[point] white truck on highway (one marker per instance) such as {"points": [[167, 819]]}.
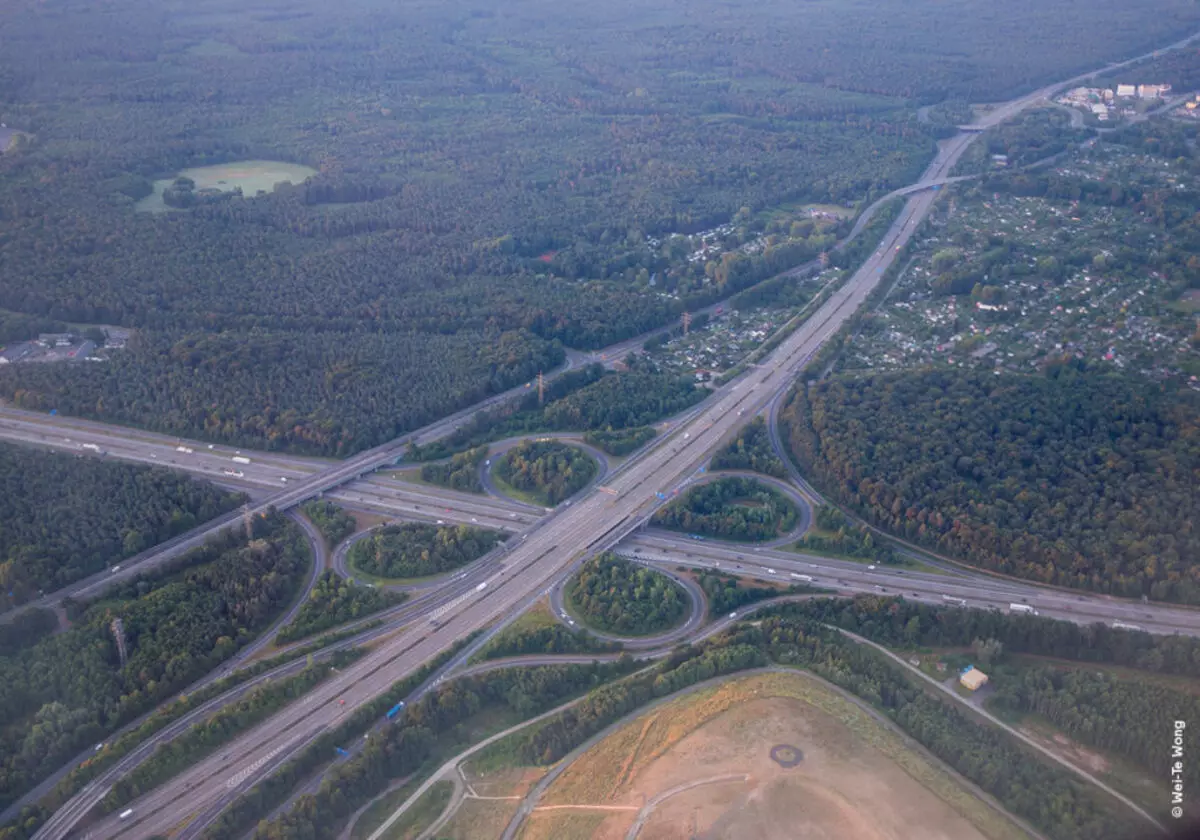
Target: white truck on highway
{"points": [[1022, 608], [950, 599], [186, 450], [93, 447], [1121, 625], [805, 578], [241, 459], [234, 473]]}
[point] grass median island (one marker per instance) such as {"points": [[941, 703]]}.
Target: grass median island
{"points": [[836, 536], [731, 508], [620, 442], [416, 550], [614, 595], [545, 472], [460, 473], [727, 592], [538, 631], [751, 450], [333, 522], [333, 601]]}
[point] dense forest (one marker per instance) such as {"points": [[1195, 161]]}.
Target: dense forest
{"points": [[70, 690], [478, 174], [333, 522], [546, 471], [615, 406], [751, 450], [732, 508], [461, 472], [414, 549], [617, 596], [1127, 717], [65, 518], [308, 391], [1075, 479], [546, 635], [333, 601]]}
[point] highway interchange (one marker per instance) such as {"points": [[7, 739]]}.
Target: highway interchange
{"points": [[547, 547]]}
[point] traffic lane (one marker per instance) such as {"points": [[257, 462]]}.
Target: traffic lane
{"points": [[972, 592], [580, 522], [437, 498], [130, 445], [278, 737], [405, 511]]}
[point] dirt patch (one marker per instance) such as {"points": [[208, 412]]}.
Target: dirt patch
{"points": [[1060, 744], [857, 778], [564, 825]]}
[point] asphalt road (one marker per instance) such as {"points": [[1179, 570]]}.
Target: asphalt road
{"points": [[848, 577], [550, 549]]}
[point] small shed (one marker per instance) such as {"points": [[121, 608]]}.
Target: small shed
{"points": [[973, 679]]}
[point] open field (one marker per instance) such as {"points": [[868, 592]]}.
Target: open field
{"points": [[706, 759], [252, 176]]}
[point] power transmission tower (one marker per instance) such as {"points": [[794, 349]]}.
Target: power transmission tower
{"points": [[118, 631], [247, 522], [687, 322], [541, 388], [824, 259]]}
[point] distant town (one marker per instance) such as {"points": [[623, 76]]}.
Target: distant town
{"points": [[1109, 103], [90, 345]]}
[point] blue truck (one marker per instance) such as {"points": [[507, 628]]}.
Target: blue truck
{"points": [[395, 710]]}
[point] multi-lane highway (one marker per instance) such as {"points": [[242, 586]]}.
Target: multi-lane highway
{"points": [[494, 591], [547, 551]]}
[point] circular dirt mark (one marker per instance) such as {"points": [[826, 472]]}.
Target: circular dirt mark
{"points": [[786, 756]]}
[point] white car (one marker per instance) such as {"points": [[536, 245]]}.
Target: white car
{"points": [[733, 615], [870, 568], [283, 478], [440, 522]]}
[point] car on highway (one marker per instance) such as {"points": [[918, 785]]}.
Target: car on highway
{"points": [[440, 522], [733, 615]]}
